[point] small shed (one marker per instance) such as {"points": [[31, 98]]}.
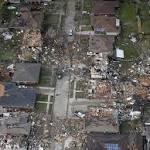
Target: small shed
{"points": [[119, 53], [27, 73]]}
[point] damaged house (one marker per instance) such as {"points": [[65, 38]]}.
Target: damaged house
{"points": [[31, 45], [100, 47]]}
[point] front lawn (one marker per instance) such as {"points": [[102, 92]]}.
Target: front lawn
{"points": [[81, 95], [81, 85], [43, 98], [127, 12], [45, 76], [10, 47], [127, 15], [87, 5], [50, 20], [86, 20], [40, 108]]}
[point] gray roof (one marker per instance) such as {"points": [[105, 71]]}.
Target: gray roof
{"points": [[27, 72], [16, 123], [18, 97], [22, 129]]}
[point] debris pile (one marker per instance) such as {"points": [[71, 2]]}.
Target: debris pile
{"points": [[31, 45], [99, 89], [14, 129], [70, 132]]}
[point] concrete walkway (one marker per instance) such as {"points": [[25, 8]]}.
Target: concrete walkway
{"points": [[48, 103], [42, 102], [85, 33]]}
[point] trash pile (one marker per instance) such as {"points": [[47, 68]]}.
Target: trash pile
{"points": [[9, 142], [40, 132], [99, 89], [69, 132], [31, 45]]}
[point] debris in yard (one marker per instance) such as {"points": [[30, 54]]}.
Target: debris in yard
{"points": [[133, 39], [7, 36], [31, 45]]}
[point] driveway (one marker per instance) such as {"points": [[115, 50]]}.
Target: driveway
{"points": [[61, 97]]}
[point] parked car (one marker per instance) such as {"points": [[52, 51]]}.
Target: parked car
{"points": [[59, 74], [79, 114], [70, 33]]}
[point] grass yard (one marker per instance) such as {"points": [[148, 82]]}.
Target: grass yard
{"points": [[146, 26], [81, 85], [145, 16], [127, 126], [127, 14], [43, 98], [87, 5], [50, 20], [55, 6], [84, 42], [131, 50], [80, 95], [45, 76], [7, 55], [86, 28], [144, 9], [40, 108], [7, 15], [9, 48], [78, 5], [146, 112], [86, 19], [53, 19]]}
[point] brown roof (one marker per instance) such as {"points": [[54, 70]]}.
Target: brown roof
{"points": [[101, 7], [105, 23], [101, 44], [144, 80], [2, 90]]}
